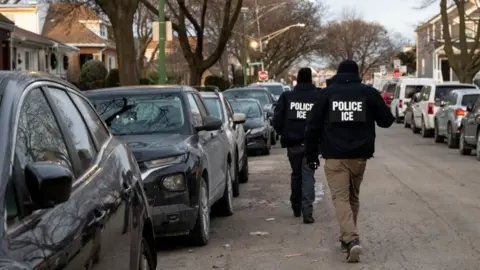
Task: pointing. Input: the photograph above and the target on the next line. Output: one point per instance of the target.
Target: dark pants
(302, 180)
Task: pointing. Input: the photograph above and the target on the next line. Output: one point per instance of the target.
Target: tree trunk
(465, 76)
(196, 75)
(126, 54)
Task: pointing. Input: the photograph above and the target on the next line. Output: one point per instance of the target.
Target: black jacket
(342, 137)
(290, 114)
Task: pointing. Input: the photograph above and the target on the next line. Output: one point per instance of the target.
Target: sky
(398, 15)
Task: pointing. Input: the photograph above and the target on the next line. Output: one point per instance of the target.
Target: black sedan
(257, 127)
(72, 194)
(181, 151)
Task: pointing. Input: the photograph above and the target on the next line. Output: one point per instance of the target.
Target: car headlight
(174, 182)
(257, 130)
(165, 161)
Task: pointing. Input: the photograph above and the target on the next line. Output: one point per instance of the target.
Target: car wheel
(405, 123)
(244, 170)
(200, 235)
(398, 120)
(414, 126)
(224, 206)
(462, 147)
(452, 142)
(273, 138)
(146, 258)
(477, 150)
(437, 136)
(424, 131)
(236, 184)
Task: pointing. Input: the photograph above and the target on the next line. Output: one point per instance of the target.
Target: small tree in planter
(113, 78)
(92, 75)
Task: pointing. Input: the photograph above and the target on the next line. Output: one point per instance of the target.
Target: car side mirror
(269, 114)
(239, 118)
(469, 107)
(49, 183)
(210, 124)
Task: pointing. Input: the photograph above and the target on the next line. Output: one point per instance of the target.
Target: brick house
(78, 26)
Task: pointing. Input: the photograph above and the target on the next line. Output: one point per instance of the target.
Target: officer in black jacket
(289, 120)
(343, 119)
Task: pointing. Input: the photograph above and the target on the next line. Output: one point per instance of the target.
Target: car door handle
(99, 218)
(127, 190)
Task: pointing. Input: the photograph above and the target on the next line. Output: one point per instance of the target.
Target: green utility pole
(161, 42)
(245, 50)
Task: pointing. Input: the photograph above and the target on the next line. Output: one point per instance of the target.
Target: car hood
(154, 146)
(251, 123)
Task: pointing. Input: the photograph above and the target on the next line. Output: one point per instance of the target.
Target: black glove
(313, 164)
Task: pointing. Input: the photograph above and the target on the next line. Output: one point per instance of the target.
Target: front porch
(441, 67)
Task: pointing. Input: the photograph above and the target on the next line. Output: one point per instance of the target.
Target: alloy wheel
(205, 211)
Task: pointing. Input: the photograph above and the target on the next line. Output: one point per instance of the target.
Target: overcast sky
(396, 15)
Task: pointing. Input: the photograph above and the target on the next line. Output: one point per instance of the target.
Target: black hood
(305, 87)
(251, 123)
(155, 146)
(346, 78)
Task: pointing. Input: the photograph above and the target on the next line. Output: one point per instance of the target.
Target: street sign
(255, 64)
(396, 74)
(403, 69)
(397, 63)
(262, 75)
(383, 69)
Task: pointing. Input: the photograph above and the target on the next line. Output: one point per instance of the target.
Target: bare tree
(143, 29)
(351, 37)
(460, 48)
(196, 15)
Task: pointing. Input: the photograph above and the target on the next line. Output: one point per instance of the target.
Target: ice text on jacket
(347, 111)
(298, 110)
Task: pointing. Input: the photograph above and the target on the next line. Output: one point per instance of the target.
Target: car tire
(405, 124)
(477, 149)
(224, 207)
(244, 171)
(200, 234)
(438, 138)
(146, 261)
(452, 142)
(414, 126)
(398, 120)
(462, 146)
(273, 138)
(424, 131)
(235, 183)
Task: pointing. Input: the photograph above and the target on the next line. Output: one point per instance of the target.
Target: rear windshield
(390, 88)
(411, 90)
(443, 90)
(469, 99)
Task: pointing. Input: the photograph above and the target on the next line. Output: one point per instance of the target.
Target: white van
(406, 88)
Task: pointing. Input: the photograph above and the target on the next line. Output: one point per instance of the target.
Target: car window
(142, 114)
(397, 91)
(197, 116)
(81, 137)
(411, 90)
(11, 203)
(276, 90)
(261, 96)
(250, 109)
(390, 88)
(425, 93)
(443, 90)
(93, 121)
(201, 105)
(470, 99)
(214, 107)
(38, 134)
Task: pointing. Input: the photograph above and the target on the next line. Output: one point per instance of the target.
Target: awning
(25, 36)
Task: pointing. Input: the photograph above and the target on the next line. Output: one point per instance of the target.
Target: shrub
(217, 81)
(145, 81)
(113, 78)
(92, 75)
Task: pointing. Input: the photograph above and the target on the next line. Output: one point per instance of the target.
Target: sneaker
(308, 219)
(343, 246)
(297, 212)
(354, 251)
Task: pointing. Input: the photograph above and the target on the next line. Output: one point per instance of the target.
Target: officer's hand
(314, 164)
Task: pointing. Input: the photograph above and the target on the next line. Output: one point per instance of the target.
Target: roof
(138, 89)
(209, 94)
(467, 91)
(24, 78)
(244, 99)
(454, 83)
(25, 35)
(64, 23)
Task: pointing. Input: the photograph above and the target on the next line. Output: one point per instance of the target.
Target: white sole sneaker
(354, 255)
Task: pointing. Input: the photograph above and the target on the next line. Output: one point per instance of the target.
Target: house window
(423, 66)
(428, 34)
(27, 60)
(103, 31)
(470, 29)
(111, 62)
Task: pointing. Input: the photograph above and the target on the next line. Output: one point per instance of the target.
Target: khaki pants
(344, 177)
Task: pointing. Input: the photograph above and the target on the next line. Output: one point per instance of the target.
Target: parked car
(267, 101)
(257, 126)
(448, 118)
(408, 118)
(405, 88)
(470, 130)
(275, 88)
(387, 92)
(380, 83)
(180, 149)
(232, 126)
(70, 190)
(425, 109)
(287, 88)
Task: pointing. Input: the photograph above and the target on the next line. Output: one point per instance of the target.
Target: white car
(220, 108)
(429, 103)
(404, 91)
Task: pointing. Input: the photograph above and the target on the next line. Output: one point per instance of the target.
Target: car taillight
(430, 108)
(400, 103)
(460, 112)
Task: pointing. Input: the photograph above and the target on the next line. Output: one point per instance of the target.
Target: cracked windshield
(142, 115)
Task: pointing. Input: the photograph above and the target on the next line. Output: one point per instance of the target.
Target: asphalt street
(420, 209)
